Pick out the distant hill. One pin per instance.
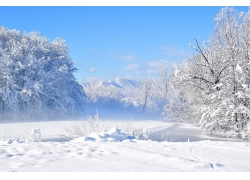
(117, 83)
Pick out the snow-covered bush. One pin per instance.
(3, 136)
(140, 133)
(144, 133)
(83, 128)
(34, 136)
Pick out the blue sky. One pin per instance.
(110, 42)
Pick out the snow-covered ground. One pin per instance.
(115, 151)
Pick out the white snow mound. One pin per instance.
(114, 135)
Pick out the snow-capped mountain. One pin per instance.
(117, 83)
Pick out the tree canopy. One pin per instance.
(36, 77)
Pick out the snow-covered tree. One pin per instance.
(145, 91)
(36, 79)
(164, 82)
(215, 82)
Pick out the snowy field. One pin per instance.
(114, 151)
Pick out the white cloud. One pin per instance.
(127, 58)
(131, 67)
(150, 71)
(92, 70)
(158, 63)
(171, 51)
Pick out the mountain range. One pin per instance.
(116, 83)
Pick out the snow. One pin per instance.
(114, 151)
(238, 69)
(114, 135)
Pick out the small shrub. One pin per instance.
(3, 137)
(82, 128)
(34, 136)
(144, 133)
(139, 133)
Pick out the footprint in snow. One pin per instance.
(9, 155)
(213, 165)
(2, 151)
